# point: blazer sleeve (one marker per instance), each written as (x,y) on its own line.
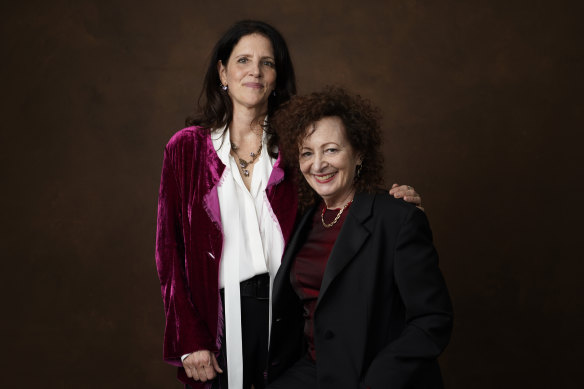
(185,331)
(427,304)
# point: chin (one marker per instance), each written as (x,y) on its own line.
(257,103)
(325,194)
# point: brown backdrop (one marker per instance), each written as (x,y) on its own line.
(483,115)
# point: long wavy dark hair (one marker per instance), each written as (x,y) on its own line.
(214,107)
(361,120)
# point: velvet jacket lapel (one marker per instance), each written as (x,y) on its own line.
(281,193)
(211,198)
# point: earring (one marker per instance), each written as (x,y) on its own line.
(274,93)
(359,167)
(224,87)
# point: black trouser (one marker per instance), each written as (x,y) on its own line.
(255,306)
(301,375)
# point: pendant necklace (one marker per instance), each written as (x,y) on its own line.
(242,162)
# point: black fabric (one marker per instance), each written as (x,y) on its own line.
(301,375)
(258,286)
(383,314)
(254,334)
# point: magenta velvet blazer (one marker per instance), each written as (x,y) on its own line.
(189,241)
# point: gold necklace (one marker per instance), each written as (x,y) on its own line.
(336,218)
(242,162)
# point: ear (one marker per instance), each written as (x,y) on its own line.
(221,69)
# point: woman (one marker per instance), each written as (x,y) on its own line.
(226,210)
(359,300)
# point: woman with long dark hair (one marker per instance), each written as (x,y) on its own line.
(226,210)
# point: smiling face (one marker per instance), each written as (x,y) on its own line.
(328,162)
(250,72)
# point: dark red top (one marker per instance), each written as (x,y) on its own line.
(309,265)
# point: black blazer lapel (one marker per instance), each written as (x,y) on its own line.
(352,236)
(296,242)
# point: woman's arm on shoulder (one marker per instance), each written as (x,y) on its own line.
(408,193)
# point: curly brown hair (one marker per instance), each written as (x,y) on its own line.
(362,126)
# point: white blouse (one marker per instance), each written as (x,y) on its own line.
(253,242)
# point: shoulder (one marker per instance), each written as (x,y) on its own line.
(188,136)
(189,143)
(383,207)
(386,201)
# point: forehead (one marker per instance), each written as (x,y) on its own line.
(254,43)
(329,129)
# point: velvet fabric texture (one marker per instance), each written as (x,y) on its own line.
(189,242)
(383,314)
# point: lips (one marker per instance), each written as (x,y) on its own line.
(324,178)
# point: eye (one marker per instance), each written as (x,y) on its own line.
(305,154)
(270,63)
(331,150)
(242,60)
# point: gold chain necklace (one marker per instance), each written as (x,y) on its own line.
(336,218)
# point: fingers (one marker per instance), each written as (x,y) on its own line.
(203,365)
(198,366)
(216,364)
(191,367)
(188,364)
(195,374)
(393,189)
(399,191)
(413,198)
(191,370)
(407,193)
(207,373)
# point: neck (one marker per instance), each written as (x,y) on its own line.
(246,121)
(339,201)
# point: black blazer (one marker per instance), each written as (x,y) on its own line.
(383,314)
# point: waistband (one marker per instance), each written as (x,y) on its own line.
(257,287)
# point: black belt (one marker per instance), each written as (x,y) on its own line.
(258,287)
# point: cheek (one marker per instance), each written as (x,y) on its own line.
(233,73)
(304,167)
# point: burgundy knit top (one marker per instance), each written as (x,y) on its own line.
(309,265)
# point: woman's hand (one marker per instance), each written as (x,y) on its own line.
(407,193)
(201,365)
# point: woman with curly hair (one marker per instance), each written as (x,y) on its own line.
(359,300)
(226,209)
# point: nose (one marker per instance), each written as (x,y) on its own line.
(319,162)
(255,69)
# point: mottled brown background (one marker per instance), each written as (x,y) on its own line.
(483,105)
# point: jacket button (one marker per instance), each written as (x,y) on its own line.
(278,319)
(329,335)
